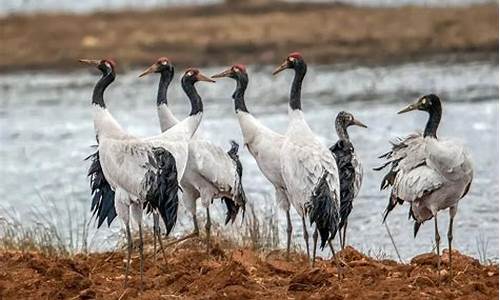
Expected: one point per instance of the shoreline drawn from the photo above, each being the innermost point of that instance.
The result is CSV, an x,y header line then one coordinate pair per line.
x,y
256,33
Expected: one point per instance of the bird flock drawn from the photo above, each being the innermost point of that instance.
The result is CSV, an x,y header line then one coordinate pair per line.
x,y
131,175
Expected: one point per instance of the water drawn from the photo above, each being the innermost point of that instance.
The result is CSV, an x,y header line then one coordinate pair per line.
x,y
34,6
47,131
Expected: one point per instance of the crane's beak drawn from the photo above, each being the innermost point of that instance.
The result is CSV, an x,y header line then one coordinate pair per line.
x,y
410,107
202,77
358,123
225,73
153,68
94,62
282,67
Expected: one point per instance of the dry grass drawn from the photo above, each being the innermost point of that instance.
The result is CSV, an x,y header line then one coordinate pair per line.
x,y
45,233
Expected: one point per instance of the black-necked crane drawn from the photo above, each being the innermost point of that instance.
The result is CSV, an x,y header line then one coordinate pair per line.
x,y
143,171
350,169
263,143
308,167
211,173
428,172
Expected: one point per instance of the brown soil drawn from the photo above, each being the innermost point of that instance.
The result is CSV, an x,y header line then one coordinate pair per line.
x,y
262,32
236,273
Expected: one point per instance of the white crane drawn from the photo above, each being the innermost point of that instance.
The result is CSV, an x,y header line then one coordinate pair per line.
x,y
143,171
263,143
350,169
210,172
429,173
308,167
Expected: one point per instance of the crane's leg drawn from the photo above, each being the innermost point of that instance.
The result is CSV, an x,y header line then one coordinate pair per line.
x,y
208,225
156,232
288,233
196,230
438,239
343,236
129,252
122,206
315,242
136,209
189,197
453,211
306,236
141,253
339,270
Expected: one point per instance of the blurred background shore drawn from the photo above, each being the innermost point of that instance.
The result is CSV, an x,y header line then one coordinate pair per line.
x,y
53,34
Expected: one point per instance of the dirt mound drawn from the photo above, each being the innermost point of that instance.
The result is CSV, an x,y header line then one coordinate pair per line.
x,y
235,273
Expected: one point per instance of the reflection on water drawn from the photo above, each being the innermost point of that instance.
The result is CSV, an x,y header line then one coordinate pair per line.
x,y
47,130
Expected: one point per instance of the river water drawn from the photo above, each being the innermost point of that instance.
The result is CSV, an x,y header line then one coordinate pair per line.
x,y
46,131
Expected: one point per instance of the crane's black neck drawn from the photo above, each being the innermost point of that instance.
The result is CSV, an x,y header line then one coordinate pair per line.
x,y
239,93
434,119
295,92
108,76
165,79
194,97
341,130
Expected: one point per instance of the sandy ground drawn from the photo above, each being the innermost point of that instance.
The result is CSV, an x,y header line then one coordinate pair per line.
x,y
262,32
239,273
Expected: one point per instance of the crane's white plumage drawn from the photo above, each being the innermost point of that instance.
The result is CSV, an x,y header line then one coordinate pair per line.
x,y
210,172
308,168
304,160
263,143
430,174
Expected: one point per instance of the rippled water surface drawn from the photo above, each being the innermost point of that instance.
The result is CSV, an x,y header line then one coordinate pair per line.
x,y
46,131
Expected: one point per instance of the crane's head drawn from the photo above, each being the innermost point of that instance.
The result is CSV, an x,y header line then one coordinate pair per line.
x,y
426,103
346,119
104,65
193,75
162,65
294,60
236,71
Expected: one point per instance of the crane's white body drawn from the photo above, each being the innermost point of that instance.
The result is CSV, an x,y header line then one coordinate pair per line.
x,y
124,158
432,175
209,174
304,160
265,146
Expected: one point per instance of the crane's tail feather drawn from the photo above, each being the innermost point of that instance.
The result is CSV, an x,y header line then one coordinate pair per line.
x,y
323,209
162,194
103,197
416,227
239,198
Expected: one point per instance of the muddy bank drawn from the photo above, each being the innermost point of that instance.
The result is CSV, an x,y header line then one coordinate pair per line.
x,y
236,273
259,33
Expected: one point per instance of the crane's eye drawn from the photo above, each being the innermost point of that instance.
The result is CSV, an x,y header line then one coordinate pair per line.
x,y
236,70
291,59
190,73
424,101
107,64
164,62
